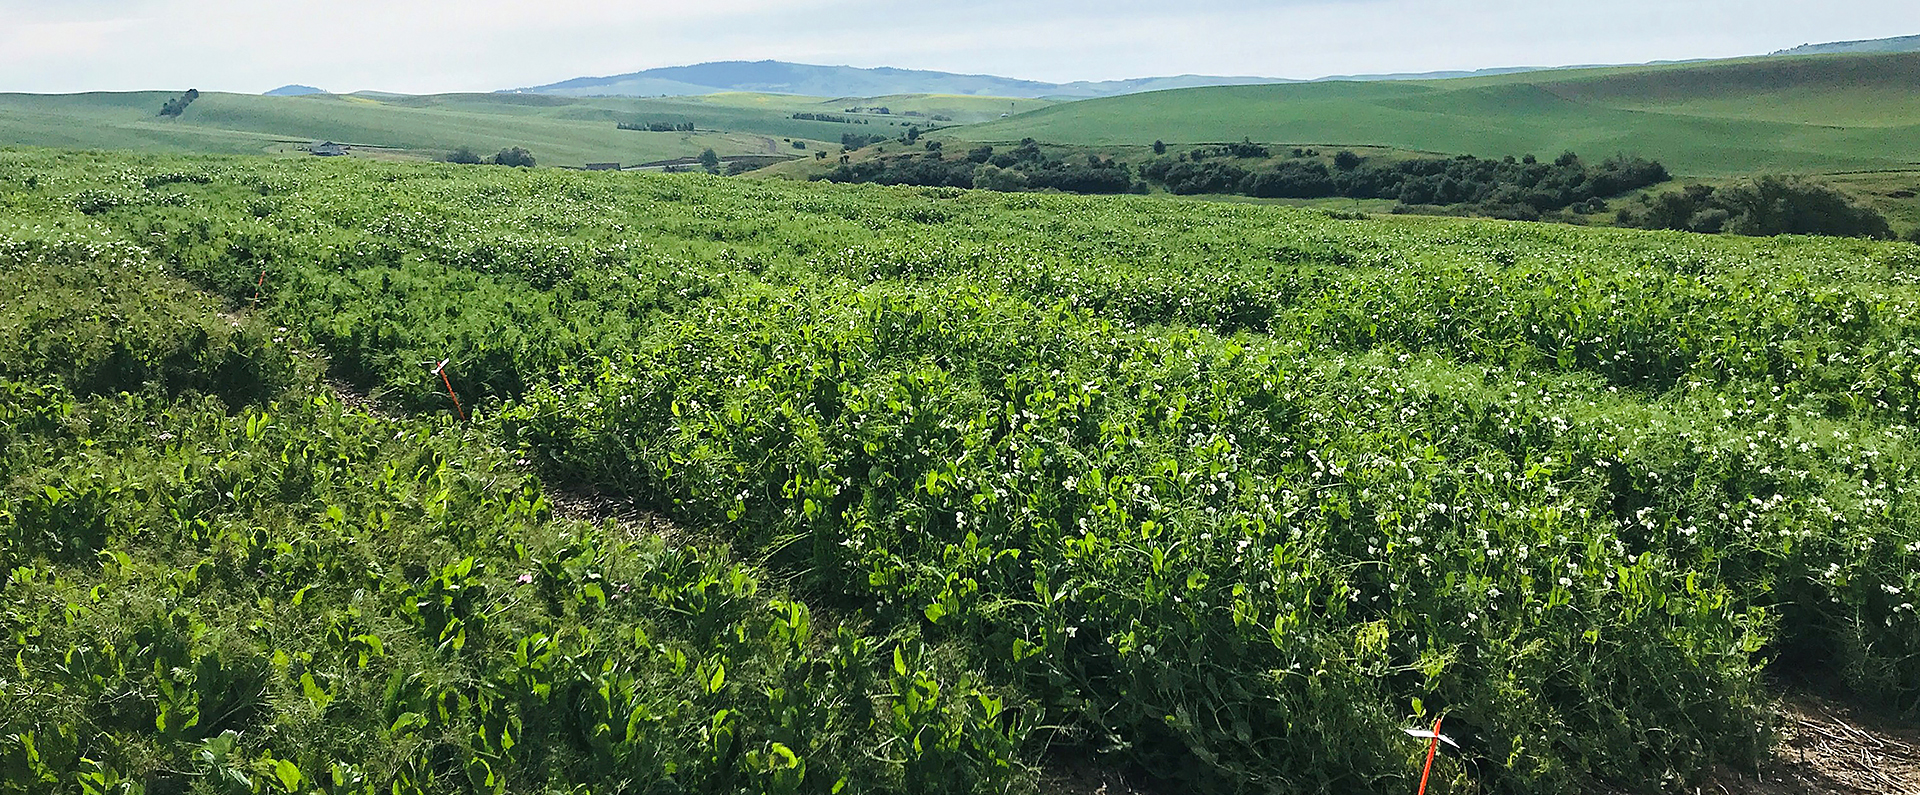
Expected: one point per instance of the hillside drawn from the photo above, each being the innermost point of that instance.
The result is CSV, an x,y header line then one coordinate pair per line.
x,y
780,77
1811,114
1897,44
559,130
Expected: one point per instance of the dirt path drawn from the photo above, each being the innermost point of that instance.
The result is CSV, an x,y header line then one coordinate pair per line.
x,y
1827,748
594,507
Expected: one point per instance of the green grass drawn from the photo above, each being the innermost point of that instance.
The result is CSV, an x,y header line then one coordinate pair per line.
x,y
1783,115
963,109
1896,194
559,131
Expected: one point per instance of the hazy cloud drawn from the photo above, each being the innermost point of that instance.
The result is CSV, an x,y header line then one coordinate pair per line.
x,y
482,45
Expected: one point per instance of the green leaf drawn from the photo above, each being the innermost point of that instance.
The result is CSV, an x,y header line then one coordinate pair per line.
x,y
783,758
289,775
316,695
408,721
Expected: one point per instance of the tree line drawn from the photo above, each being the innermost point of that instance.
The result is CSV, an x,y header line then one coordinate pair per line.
x,y
828,117
510,156
658,126
1508,187
1767,205
178,105
860,140
1523,188
1025,167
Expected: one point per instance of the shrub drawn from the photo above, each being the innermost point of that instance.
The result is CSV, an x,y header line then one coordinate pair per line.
x,y
1767,205
992,177
514,156
178,105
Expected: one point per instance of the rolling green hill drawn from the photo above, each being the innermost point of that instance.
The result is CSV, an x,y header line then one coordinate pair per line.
x,y
559,130
1896,44
1808,115
962,108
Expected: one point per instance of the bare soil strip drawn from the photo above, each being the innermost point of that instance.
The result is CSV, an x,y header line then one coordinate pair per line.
x,y
1828,748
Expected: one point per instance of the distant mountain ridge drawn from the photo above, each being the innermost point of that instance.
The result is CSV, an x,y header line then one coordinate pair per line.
x,y
781,77
295,90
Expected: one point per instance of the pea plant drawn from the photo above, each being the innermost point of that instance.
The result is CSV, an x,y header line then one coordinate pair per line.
x,y
1222,496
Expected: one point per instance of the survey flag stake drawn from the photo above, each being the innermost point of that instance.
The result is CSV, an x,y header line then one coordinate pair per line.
x,y
1433,738
260,286
441,370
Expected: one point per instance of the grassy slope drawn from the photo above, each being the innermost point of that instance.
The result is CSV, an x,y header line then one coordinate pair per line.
x,y
1815,114
560,131
963,109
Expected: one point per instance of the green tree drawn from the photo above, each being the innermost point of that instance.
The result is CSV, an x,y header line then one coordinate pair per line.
x,y
1159,147
464,156
514,156
1772,205
178,105
710,161
992,177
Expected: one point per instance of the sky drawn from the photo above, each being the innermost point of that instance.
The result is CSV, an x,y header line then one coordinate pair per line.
x,y
431,46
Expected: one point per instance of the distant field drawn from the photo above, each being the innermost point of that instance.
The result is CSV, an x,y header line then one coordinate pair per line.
x,y
558,130
1805,115
962,109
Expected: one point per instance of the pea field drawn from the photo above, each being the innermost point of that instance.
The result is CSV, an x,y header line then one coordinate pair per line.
x,y
957,489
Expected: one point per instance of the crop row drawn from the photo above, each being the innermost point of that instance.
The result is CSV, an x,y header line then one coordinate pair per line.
x,y
220,579
1226,494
